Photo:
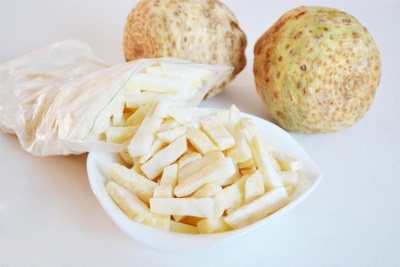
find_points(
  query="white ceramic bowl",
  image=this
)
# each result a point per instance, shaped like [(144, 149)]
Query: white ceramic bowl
[(159, 239)]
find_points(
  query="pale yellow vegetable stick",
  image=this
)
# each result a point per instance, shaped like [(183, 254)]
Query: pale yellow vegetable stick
[(164, 157), (168, 124), (126, 157), (212, 173), (253, 187), (249, 171), (241, 152), (170, 175), (199, 207), (161, 84), (183, 228), (120, 135), (118, 114), (187, 158), (184, 74), (204, 74), (183, 115), (213, 225), (133, 98), (198, 164), (200, 140), (287, 163), (289, 180), (156, 97), (223, 116), (230, 197), (136, 167), (289, 189), (233, 120), (190, 220), (249, 128), (156, 146), (264, 163), (258, 209), (144, 136), (132, 181), (277, 167), (163, 191), (178, 218), (248, 164), (207, 190), (217, 132), (128, 112), (171, 135), (134, 208), (138, 116), (230, 180)]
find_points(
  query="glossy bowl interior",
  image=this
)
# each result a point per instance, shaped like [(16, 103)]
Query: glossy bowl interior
[(309, 178)]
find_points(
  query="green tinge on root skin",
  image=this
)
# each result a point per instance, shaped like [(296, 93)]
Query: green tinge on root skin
[(317, 70)]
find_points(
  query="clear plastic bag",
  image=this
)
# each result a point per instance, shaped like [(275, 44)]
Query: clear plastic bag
[(59, 99)]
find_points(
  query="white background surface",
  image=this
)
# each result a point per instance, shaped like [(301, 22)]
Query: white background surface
[(50, 217)]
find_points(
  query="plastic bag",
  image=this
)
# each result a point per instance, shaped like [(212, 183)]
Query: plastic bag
[(60, 99)]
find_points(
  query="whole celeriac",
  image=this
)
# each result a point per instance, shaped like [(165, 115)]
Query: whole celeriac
[(203, 31), (317, 70)]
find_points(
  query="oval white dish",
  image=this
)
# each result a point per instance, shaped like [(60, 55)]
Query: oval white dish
[(277, 138)]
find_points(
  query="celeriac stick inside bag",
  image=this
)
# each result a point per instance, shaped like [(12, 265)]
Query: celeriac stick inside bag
[(62, 99)]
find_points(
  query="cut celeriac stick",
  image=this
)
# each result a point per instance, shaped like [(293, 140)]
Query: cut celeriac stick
[(132, 181), (170, 175), (133, 98), (241, 152), (264, 163), (161, 84), (134, 208), (119, 134), (200, 140), (223, 116), (288, 178), (163, 191), (126, 157), (228, 180), (230, 197), (204, 74), (287, 163), (188, 158), (171, 135), (138, 116), (144, 136), (183, 228), (212, 173), (233, 119), (208, 190), (262, 206), (156, 146), (183, 115), (253, 187), (248, 164), (217, 132), (164, 157), (188, 75), (191, 220), (199, 164), (199, 207), (213, 225), (168, 124), (118, 114)]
